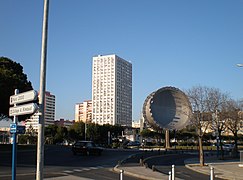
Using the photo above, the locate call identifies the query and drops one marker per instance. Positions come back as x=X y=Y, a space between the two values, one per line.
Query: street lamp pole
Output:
x=41 y=125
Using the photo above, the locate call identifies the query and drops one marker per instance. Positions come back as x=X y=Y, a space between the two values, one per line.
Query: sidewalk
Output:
x=225 y=169
x=140 y=172
x=68 y=177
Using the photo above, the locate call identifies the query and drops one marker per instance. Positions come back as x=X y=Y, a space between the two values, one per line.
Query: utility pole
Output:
x=41 y=125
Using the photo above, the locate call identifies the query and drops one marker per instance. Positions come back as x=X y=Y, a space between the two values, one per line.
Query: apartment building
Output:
x=111 y=90
x=83 y=111
x=50 y=101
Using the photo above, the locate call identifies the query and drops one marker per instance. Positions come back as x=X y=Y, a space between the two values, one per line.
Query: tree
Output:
x=205 y=101
x=76 y=131
x=11 y=78
x=61 y=134
x=31 y=135
x=146 y=133
x=92 y=132
x=217 y=103
x=50 y=132
x=233 y=117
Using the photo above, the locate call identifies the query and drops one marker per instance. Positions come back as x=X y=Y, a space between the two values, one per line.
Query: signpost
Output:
x=23 y=97
x=23 y=109
x=17 y=110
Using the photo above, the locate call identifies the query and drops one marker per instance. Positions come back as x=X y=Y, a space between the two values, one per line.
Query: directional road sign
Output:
x=23 y=109
x=23 y=97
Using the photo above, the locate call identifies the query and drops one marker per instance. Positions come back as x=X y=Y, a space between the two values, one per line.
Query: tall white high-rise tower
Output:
x=111 y=90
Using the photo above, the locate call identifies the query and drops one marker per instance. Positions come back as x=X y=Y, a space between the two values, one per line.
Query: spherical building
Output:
x=167 y=108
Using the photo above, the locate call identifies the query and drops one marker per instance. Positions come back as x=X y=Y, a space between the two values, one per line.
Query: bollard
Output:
x=121 y=174
x=173 y=172
x=153 y=167
x=211 y=173
x=146 y=165
x=141 y=162
x=170 y=175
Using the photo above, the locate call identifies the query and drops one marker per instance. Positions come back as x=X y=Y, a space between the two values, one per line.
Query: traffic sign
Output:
x=23 y=97
x=23 y=109
x=13 y=128
x=20 y=129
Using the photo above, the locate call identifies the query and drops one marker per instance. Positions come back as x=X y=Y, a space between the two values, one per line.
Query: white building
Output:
x=136 y=124
x=50 y=102
x=111 y=90
x=83 y=111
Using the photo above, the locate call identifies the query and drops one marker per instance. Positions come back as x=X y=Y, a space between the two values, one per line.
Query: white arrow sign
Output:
x=23 y=109
x=23 y=97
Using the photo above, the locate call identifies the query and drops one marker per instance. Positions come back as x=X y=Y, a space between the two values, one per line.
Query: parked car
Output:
x=86 y=148
x=228 y=147
x=133 y=144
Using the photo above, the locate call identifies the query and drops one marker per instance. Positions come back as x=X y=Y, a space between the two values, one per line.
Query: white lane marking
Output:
x=83 y=169
x=77 y=170
x=67 y=171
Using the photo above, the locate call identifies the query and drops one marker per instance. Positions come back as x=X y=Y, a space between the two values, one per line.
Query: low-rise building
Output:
x=64 y=123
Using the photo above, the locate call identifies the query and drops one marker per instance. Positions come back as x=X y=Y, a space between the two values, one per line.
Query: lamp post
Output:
x=41 y=124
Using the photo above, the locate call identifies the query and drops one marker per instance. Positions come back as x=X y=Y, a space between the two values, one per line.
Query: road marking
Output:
x=83 y=169
x=86 y=169
x=68 y=171
x=100 y=167
x=77 y=170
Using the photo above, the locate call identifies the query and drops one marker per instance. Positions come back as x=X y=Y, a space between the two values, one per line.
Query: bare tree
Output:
x=217 y=103
x=198 y=97
x=205 y=102
x=233 y=117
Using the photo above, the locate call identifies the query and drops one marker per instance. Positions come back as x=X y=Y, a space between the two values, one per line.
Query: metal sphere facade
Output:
x=167 y=108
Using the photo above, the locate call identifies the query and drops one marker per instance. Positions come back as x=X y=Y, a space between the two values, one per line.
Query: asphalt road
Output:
x=59 y=161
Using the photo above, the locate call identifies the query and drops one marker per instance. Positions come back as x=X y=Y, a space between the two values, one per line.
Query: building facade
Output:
x=83 y=111
x=64 y=123
x=111 y=90
x=50 y=107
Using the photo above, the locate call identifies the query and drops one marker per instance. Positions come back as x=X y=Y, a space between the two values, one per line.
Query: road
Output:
x=59 y=161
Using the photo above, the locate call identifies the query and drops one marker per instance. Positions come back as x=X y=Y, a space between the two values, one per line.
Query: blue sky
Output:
x=181 y=43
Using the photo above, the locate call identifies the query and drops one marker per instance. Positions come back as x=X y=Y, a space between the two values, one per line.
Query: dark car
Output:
x=86 y=148
x=132 y=144
x=228 y=147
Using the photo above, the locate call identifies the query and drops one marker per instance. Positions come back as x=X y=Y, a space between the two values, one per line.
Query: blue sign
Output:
x=13 y=128
x=20 y=129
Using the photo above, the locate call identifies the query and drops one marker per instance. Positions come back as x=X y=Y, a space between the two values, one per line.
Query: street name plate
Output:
x=23 y=109
x=23 y=97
